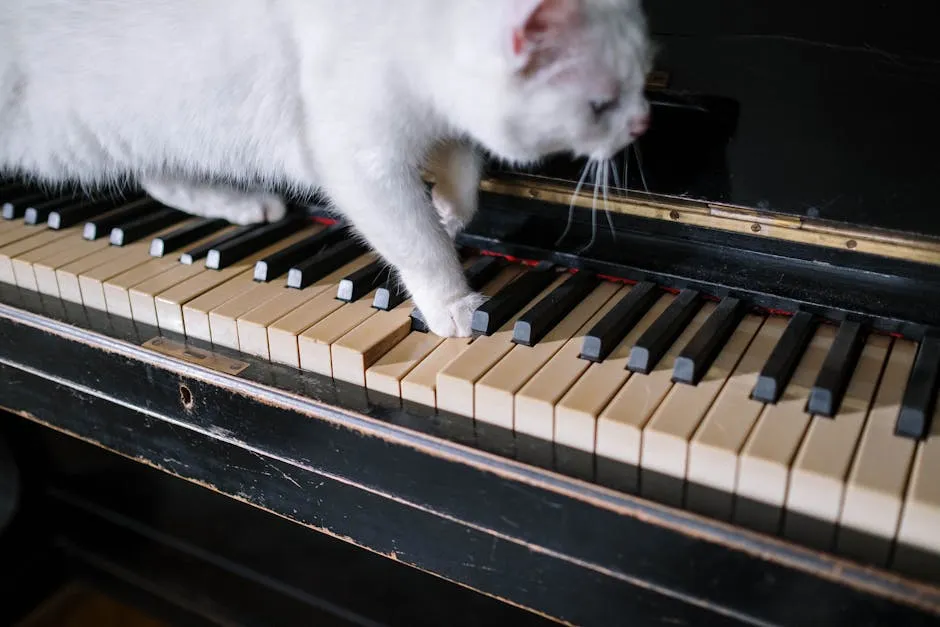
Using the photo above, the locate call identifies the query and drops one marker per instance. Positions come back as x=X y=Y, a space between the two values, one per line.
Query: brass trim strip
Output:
x=733 y=219
x=213 y=361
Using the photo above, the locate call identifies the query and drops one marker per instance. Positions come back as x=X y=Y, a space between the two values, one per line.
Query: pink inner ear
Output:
x=547 y=20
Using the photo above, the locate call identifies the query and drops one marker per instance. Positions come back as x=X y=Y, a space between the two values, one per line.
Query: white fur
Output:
x=207 y=103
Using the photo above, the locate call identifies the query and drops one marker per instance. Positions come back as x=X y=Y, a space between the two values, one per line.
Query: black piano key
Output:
x=920 y=396
x=545 y=314
x=697 y=356
x=39 y=212
x=15 y=208
x=283 y=260
x=418 y=323
x=776 y=373
x=484 y=270
x=653 y=344
x=480 y=272
x=495 y=312
x=833 y=379
x=101 y=226
x=186 y=234
x=360 y=282
x=390 y=295
x=64 y=217
x=13 y=190
x=325 y=262
x=196 y=253
x=136 y=230
x=614 y=326
x=234 y=250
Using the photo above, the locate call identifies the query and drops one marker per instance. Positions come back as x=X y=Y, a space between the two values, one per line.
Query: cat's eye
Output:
x=600 y=107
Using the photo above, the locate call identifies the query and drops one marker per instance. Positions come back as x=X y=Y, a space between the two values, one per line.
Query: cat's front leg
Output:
x=388 y=205
x=456 y=166
x=207 y=201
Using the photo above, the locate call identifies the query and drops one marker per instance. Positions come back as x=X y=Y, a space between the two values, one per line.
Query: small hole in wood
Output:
x=186 y=397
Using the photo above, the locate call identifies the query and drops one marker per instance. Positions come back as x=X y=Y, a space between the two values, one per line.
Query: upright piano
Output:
x=703 y=393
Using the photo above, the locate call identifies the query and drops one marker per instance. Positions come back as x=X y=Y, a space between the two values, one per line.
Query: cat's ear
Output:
x=540 y=23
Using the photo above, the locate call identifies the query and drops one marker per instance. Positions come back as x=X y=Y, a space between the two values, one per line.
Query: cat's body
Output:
x=197 y=98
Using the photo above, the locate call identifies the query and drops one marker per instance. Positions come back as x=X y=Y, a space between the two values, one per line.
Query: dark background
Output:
x=822 y=109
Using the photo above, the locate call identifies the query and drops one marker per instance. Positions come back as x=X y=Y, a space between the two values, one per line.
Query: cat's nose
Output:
x=639 y=125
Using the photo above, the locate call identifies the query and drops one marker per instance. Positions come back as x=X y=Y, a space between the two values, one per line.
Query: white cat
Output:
x=201 y=100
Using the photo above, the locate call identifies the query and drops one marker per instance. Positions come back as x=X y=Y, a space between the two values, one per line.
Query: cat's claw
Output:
x=453 y=320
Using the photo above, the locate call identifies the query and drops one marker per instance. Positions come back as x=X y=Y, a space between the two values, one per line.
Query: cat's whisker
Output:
x=609 y=167
x=613 y=171
x=596 y=175
x=626 y=174
x=639 y=165
x=388 y=273
x=574 y=197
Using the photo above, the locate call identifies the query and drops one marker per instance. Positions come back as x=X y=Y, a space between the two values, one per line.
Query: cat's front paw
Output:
x=233 y=205
x=453 y=319
x=249 y=208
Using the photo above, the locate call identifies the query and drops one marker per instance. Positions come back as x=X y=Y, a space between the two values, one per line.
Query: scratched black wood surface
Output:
x=128 y=525
x=366 y=470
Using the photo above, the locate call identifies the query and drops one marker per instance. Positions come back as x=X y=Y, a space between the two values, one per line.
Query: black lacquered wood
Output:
x=481 y=272
x=545 y=314
x=185 y=235
x=98 y=515
x=147 y=225
x=236 y=249
x=697 y=356
x=833 y=379
x=65 y=217
x=920 y=395
x=497 y=311
x=776 y=373
x=614 y=326
x=390 y=295
x=653 y=344
x=278 y=263
x=197 y=253
x=325 y=262
x=360 y=282
x=101 y=226
x=15 y=208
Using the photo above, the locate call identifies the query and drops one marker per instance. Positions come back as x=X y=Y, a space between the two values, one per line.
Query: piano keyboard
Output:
x=788 y=424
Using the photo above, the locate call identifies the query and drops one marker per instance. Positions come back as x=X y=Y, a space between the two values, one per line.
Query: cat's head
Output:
x=573 y=77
